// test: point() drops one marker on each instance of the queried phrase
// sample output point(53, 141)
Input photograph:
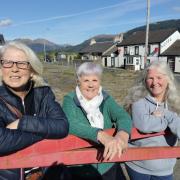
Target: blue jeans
point(134, 175)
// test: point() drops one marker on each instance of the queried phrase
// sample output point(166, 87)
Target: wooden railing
point(73, 150)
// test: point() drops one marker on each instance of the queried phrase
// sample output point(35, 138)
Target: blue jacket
point(43, 118)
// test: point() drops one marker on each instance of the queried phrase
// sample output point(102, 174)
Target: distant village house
point(162, 46)
point(128, 53)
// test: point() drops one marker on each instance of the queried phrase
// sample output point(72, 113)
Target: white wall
point(177, 65)
point(153, 51)
point(163, 58)
point(141, 50)
point(109, 64)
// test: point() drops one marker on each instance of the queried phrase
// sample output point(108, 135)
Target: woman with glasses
point(23, 88)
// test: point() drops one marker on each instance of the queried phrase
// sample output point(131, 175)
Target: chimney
point(118, 38)
point(93, 41)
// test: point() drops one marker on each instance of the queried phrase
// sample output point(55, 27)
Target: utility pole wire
point(147, 33)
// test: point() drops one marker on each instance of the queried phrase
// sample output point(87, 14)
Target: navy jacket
point(43, 118)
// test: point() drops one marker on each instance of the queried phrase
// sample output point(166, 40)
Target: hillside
point(38, 44)
point(153, 26)
point(174, 24)
point(98, 38)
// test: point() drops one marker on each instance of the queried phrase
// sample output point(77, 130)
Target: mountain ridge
point(38, 45)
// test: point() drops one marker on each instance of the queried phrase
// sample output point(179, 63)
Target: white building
point(95, 50)
point(132, 49)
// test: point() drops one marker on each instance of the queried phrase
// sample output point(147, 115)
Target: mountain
point(175, 23)
point(38, 45)
point(98, 38)
point(168, 24)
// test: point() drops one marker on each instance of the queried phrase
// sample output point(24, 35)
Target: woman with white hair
point(28, 110)
point(90, 110)
point(154, 104)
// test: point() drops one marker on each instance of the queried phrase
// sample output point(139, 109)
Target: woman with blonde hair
point(29, 112)
point(154, 106)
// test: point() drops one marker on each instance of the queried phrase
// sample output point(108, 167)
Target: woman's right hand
point(111, 145)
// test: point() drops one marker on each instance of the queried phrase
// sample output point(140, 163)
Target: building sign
point(166, 42)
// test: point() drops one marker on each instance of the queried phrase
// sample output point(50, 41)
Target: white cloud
point(176, 8)
point(5, 22)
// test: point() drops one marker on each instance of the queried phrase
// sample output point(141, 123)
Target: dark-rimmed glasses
point(19, 64)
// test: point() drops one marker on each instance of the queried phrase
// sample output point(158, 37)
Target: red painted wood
point(69, 143)
point(46, 152)
point(86, 156)
point(135, 134)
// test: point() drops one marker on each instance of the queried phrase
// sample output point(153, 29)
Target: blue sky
point(73, 21)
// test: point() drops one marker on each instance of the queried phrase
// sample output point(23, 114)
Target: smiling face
point(89, 85)
point(157, 84)
point(15, 77)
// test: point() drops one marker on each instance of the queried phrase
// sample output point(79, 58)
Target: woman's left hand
point(13, 125)
point(122, 138)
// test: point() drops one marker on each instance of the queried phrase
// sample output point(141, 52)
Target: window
point(149, 50)
point(136, 50)
point(125, 51)
point(137, 61)
point(112, 61)
point(130, 60)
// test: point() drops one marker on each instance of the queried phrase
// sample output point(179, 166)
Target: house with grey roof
point(106, 51)
point(132, 49)
point(95, 50)
point(109, 57)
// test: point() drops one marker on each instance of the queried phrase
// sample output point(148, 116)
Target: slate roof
point(173, 50)
point(98, 47)
point(110, 50)
point(155, 36)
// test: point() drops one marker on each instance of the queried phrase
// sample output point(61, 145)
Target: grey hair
point(89, 68)
point(139, 90)
point(32, 58)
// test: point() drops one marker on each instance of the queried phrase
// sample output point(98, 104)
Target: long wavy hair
point(139, 90)
point(34, 61)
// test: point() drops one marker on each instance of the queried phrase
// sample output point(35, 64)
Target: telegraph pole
point(147, 33)
point(44, 51)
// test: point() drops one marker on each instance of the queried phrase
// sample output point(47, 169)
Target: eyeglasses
point(19, 64)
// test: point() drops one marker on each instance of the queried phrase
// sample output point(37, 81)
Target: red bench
point(73, 150)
